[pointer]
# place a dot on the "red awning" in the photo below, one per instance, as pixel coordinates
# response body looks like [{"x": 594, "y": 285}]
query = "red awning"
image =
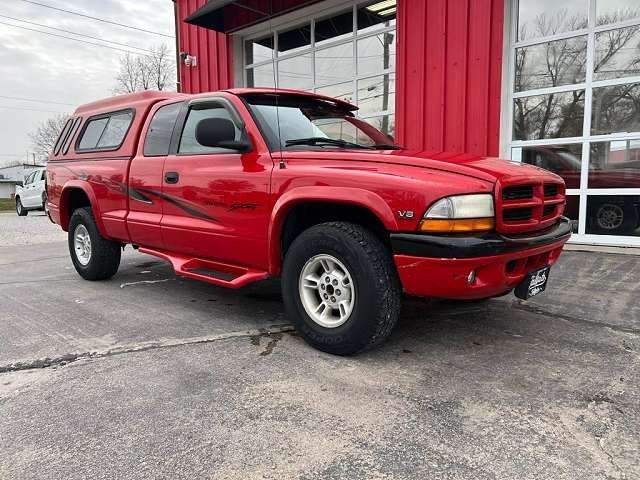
[{"x": 228, "y": 16}]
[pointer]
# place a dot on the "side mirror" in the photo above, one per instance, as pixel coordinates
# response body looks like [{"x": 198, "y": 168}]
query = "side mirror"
[
  {"x": 20, "y": 183},
  {"x": 219, "y": 132}
]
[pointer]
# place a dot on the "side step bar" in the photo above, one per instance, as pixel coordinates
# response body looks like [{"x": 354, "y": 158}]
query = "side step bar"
[{"x": 222, "y": 274}]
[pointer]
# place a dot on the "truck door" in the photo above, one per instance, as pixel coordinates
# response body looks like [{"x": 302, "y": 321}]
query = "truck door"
[
  {"x": 216, "y": 200},
  {"x": 145, "y": 176}
]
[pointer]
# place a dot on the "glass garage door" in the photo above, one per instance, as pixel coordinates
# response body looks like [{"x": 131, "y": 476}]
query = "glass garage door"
[
  {"x": 574, "y": 99},
  {"x": 348, "y": 54}
]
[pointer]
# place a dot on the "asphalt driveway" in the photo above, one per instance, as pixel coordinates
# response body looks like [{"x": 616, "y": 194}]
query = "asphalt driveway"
[{"x": 152, "y": 376}]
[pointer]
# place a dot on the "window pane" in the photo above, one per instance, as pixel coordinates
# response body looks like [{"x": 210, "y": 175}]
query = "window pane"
[
  {"x": 261, "y": 76},
  {"x": 338, "y": 128},
  {"x": 62, "y": 135},
  {"x": 160, "y": 130},
  {"x": 563, "y": 160},
  {"x": 258, "y": 50},
  {"x": 294, "y": 40},
  {"x": 613, "y": 215},
  {"x": 612, "y": 11},
  {"x": 554, "y": 115},
  {"x": 92, "y": 133},
  {"x": 385, "y": 123},
  {"x": 542, "y": 18},
  {"x": 188, "y": 142},
  {"x": 377, "y": 94},
  {"x": 617, "y": 53},
  {"x": 295, "y": 73},
  {"x": 376, "y": 15},
  {"x": 116, "y": 129},
  {"x": 615, "y": 164},
  {"x": 342, "y": 91},
  {"x": 572, "y": 210},
  {"x": 72, "y": 133},
  {"x": 616, "y": 109},
  {"x": 334, "y": 64},
  {"x": 334, "y": 28},
  {"x": 551, "y": 64},
  {"x": 377, "y": 53}
]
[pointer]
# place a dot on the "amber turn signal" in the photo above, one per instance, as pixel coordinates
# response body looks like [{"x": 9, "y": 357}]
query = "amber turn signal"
[{"x": 440, "y": 225}]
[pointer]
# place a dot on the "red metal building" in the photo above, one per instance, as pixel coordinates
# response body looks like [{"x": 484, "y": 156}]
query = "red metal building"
[{"x": 536, "y": 81}]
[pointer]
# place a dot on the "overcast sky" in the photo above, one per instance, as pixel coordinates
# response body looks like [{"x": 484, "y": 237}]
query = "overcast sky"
[{"x": 52, "y": 69}]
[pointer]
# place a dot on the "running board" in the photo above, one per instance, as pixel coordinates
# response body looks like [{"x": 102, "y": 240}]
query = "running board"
[{"x": 222, "y": 274}]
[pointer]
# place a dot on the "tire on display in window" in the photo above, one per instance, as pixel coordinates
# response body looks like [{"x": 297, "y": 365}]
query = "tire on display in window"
[
  {"x": 341, "y": 288},
  {"x": 613, "y": 216}
]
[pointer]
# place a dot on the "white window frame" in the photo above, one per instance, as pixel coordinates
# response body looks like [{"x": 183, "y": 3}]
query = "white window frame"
[
  {"x": 310, "y": 15},
  {"x": 507, "y": 143}
]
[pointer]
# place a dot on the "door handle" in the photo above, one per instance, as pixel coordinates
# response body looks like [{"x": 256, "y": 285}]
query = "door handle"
[{"x": 171, "y": 177}]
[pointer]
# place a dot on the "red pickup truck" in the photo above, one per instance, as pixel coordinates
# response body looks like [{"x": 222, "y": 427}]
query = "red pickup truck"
[{"x": 236, "y": 186}]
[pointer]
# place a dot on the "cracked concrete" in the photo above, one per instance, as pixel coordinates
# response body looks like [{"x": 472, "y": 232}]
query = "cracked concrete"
[{"x": 184, "y": 380}]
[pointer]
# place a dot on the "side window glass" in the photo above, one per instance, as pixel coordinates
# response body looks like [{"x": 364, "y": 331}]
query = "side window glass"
[
  {"x": 43, "y": 176},
  {"x": 62, "y": 136},
  {"x": 92, "y": 133},
  {"x": 72, "y": 133},
  {"x": 158, "y": 138},
  {"x": 29, "y": 178},
  {"x": 115, "y": 130},
  {"x": 188, "y": 142}
]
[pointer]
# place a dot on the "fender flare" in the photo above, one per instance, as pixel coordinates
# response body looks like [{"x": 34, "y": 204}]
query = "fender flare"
[
  {"x": 93, "y": 201},
  {"x": 345, "y": 195}
]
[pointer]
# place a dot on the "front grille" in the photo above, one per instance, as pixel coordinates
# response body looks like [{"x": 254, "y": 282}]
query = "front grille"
[
  {"x": 548, "y": 210},
  {"x": 551, "y": 189},
  {"x": 519, "y": 192},
  {"x": 517, "y": 214}
]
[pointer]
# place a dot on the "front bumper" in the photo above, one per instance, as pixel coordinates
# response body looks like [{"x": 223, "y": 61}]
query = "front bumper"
[{"x": 439, "y": 266}]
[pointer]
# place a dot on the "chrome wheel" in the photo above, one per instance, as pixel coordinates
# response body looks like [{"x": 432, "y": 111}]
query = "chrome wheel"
[
  {"x": 327, "y": 291},
  {"x": 610, "y": 217},
  {"x": 82, "y": 244}
]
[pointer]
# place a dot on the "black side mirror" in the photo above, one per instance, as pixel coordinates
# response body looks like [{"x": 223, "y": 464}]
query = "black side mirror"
[
  {"x": 219, "y": 132},
  {"x": 20, "y": 183}
]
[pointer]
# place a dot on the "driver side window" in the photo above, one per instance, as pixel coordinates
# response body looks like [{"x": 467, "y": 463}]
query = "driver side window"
[{"x": 188, "y": 142}]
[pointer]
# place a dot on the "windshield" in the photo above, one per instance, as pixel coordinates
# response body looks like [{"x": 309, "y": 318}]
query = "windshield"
[{"x": 306, "y": 121}]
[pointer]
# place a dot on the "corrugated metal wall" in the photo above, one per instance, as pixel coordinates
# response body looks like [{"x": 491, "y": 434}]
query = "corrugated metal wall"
[
  {"x": 212, "y": 49},
  {"x": 449, "y": 70}
]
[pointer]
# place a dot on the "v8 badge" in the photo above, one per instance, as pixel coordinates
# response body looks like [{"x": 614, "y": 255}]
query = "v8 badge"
[{"x": 405, "y": 214}]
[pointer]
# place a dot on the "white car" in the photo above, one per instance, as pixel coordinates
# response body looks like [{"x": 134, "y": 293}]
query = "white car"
[{"x": 32, "y": 195}]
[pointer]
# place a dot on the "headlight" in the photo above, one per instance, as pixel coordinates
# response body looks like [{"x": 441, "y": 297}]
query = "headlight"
[{"x": 461, "y": 213}]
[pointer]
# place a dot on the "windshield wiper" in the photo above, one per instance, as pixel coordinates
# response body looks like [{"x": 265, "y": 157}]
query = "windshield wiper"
[
  {"x": 327, "y": 141},
  {"x": 387, "y": 146}
]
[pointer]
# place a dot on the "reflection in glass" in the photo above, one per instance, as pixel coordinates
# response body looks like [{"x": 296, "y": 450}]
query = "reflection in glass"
[
  {"x": 376, "y": 15},
  {"x": 616, "y": 109},
  {"x": 615, "y": 164},
  {"x": 551, "y": 64},
  {"x": 258, "y": 50},
  {"x": 384, "y": 123},
  {"x": 334, "y": 28},
  {"x": 612, "y": 11},
  {"x": 377, "y": 53},
  {"x": 377, "y": 94},
  {"x": 261, "y": 76},
  {"x": 617, "y": 53},
  {"x": 342, "y": 91},
  {"x": 340, "y": 129},
  {"x": 294, "y": 40},
  {"x": 542, "y": 18},
  {"x": 613, "y": 215},
  {"x": 563, "y": 160},
  {"x": 554, "y": 115},
  {"x": 334, "y": 64},
  {"x": 572, "y": 210},
  {"x": 295, "y": 73}
]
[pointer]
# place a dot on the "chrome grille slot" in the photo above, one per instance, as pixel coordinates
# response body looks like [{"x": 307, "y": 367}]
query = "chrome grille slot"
[
  {"x": 517, "y": 214},
  {"x": 518, "y": 192}
]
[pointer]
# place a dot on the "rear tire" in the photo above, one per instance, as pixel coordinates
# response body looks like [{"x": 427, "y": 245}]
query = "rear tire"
[
  {"x": 358, "y": 267},
  {"x": 20, "y": 210},
  {"x": 94, "y": 257}
]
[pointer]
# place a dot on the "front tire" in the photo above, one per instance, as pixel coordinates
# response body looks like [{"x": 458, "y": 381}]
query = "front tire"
[
  {"x": 94, "y": 257},
  {"x": 341, "y": 288},
  {"x": 20, "y": 210}
]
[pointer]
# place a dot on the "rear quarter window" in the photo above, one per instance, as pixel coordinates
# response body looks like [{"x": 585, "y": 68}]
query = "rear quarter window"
[{"x": 105, "y": 132}]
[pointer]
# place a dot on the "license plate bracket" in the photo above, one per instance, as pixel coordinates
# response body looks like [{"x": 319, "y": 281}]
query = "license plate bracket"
[{"x": 533, "y": 284}]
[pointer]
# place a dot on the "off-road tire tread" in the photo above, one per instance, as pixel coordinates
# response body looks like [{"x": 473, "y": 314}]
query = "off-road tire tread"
[{"x": 105, "y": 254}]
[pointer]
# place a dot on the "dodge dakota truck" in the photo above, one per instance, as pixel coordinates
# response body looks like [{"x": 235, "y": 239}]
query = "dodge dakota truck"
[{"x": 236, "y": 186}]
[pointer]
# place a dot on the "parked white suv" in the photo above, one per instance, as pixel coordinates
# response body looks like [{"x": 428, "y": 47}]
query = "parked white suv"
[{"x": 32, "y": 195}]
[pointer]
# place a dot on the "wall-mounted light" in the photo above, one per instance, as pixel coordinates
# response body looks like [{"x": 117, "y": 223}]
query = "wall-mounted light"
[{"x": 189, "y": 60}]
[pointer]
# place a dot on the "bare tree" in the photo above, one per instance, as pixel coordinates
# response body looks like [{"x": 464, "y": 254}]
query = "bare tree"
[
  {"x": 46, "y": 133},
  {"x": 145, "y": 72}
]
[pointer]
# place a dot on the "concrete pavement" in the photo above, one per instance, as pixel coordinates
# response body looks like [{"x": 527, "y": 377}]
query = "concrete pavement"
[{"x": 548, "y": 388}]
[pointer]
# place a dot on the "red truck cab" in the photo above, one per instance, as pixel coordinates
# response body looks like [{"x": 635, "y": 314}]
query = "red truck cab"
[{"x": 236, "y": 186}]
